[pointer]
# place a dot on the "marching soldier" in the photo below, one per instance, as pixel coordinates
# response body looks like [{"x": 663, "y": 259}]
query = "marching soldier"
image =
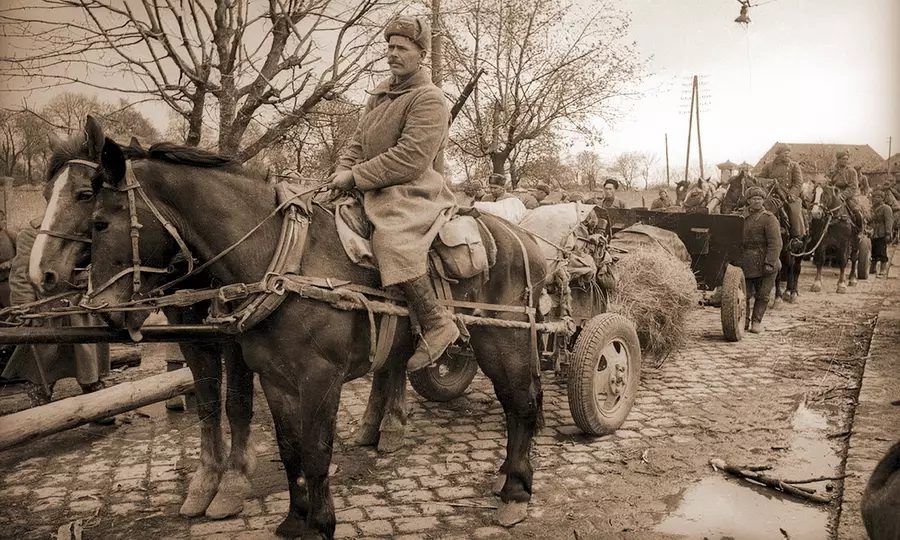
[{"x": 761, "y": 257}]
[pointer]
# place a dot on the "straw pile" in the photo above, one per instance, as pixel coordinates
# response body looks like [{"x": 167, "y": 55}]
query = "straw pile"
[{"x": 657, "y": 292}]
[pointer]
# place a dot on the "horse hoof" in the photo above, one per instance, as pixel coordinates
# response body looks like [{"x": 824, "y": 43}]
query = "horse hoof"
[
  {"x": 508, "y": 514},
  {"x": 229, "y": 499},
  {"x": 390, "y": 441},
  {"x": 786, "y": 296},
  {"x": 816, "y": 287},
  {"x": 842, "y": 289},
  {"x": 201, "y": 492},
  {"x": 498, "y": 484},
  {"x": 368, "y": 435},
  {"x": 293, "y": 526},
  {"x": 852, "y": 282}
]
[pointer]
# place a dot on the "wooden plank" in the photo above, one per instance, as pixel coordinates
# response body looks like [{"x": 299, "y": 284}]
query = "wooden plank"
[{"x": 31, "y": 424}]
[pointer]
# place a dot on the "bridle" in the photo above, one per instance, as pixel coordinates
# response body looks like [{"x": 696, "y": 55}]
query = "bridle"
[
  {"x": 131, "y": 186},
  {"x": 67, "y": 236}
]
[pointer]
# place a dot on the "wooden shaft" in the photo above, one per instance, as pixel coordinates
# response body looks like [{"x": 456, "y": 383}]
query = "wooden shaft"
[
  {"x": 31, "y": 424},
  {"x": 105, "y": 334}
]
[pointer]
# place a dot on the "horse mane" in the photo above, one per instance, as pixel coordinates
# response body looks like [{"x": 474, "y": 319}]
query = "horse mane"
[{"x": 186, "y": 155}]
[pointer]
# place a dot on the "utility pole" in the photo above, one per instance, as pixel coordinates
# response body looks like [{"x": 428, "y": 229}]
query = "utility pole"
[
  {"x": 890, "y": 139},
  {"x": 667, "y": 159},
  {"x": 699, "y": 143},
  {"x": 687, "y": 158}
]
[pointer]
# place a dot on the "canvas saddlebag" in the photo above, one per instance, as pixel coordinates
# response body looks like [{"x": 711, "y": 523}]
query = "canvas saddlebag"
[{"x": 461, "y": 248}]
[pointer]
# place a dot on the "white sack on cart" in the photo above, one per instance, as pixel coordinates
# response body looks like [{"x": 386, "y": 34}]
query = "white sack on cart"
[{"x": 511, "y": 209}]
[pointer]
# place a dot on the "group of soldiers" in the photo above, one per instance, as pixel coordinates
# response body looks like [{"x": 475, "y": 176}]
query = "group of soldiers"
[
  {"x": 542, "y": 195},
  {"x": 762, "y": 235}
]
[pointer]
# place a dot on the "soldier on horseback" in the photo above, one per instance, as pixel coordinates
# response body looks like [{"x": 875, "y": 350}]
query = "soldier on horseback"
[
  {"x": 789, "y": 186},
  {"x": 761, "y": 258},
  {"x": 391, "y": 159},
  {"x": 844, "y": 178}
]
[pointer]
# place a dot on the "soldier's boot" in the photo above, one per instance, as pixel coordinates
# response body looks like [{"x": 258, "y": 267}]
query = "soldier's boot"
[
  {"x": 439, "y": 331},
  {"x": 38, "y": 394},
  {"x": 759, "y": 310}
]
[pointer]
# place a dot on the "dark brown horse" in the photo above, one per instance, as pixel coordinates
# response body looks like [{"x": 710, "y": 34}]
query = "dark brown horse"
[
  {"x": 306, "y": 349},
  {"x": 881, "y": 499},
  {"x": 832, "y": 230},
  {"x": 221, "y": 483}
]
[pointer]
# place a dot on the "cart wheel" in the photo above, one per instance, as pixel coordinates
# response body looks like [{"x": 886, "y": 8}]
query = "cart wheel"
[
  {"x": 864, "y": 258},
  {"x": 604, "y": 375},
  {"x": 734, "y": 296},
  {"x": 447, "y": 378}
]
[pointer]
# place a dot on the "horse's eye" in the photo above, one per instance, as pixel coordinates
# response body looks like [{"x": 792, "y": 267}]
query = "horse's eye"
[
  {"x": 84, "y": 196},
  {"x": 100, "y": 226}
]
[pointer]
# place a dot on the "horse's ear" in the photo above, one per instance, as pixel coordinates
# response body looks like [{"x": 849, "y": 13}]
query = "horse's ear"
[
  {"x": 112, "y": 161},
  {"x": 135, "y": 143},
  {"x": 93, "y": 138},
  {"x": 55, "y": 142}
]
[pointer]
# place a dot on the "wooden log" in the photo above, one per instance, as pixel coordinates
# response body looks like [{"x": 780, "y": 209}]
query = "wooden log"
[
  {"x": 31, "y": 424},
  {"x": 105, "y": 334}
]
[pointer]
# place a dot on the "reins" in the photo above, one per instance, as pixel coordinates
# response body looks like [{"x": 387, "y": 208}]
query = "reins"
[{"x": 132, "y": 185}]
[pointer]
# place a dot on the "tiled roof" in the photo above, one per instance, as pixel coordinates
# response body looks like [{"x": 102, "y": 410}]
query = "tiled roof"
[{"x": 817, "y": 158}]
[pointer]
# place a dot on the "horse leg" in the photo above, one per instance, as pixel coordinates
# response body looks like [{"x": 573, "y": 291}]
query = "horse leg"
[
  {"x": 842, "y": 260},
  {"x": 505, "y": 357},
  {"x": 235, "y": 485},
  {"x": 794, "y": 277},
  {"x": 307, "y": 412},
  {"x": 854, "y": 259},
  {"x": 384, "y": 422},
  {"x": 206, "y": 367},
  {"x": 819, "y": 259}
]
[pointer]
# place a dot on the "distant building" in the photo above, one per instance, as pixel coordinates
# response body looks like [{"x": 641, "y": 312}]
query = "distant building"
[{"x": 817, "y": 159}]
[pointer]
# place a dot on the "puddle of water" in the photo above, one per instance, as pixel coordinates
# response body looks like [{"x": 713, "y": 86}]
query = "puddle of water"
[{"x": 719, "y": 507}]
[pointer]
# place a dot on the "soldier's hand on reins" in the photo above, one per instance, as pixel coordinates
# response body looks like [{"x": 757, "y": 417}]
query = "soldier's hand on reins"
[{"x": 341, "y": 180}]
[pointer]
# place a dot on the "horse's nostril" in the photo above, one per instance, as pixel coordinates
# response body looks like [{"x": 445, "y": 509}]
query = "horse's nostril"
[{"x": 49, "y": 279}]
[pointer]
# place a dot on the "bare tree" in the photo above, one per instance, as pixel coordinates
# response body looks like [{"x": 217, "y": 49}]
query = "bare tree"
[
  {"x": 530, "y": 160},
  {"x": 647, "y": 162},
  {"x": 627, "y": 166},
  {"x": 589, "y": 167},
  {"x": 549, "y": 67},
  {"x": 269, "y": 62}
]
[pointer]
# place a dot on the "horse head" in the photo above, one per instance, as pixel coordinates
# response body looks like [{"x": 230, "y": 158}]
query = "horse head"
[
  {"x": 63, "y": 240},
  {"x": 825, "y": 199},
  {"x": 122, "y": 270}
]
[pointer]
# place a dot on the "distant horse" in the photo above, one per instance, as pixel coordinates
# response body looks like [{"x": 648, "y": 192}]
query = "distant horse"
[
  {"x": 306, "y": 349},
  {"x": 832, "y": 228},
  {"x": 734, "y": 200},
  {"x": 693, "y": 196},
  {"x": 221, "y": 483}
]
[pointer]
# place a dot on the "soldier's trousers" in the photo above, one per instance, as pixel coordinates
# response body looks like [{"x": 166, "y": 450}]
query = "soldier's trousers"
[
  {"x": 760, "y": 287},
  {"x": 794, "y": 211}
]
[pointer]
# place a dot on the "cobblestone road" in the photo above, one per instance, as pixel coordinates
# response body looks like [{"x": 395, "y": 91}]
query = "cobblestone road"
[{"x": 744, "y": 402}]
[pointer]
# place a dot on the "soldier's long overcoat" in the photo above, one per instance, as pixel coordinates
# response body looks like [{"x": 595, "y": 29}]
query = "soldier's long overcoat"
[
  {"x": 762, "y": 243},
  {"x": 46, "y": 364},
  {"x": 392, "y": 155},
  {"x": 787, "y": 174},
  {"x": 845, "y": 179}
]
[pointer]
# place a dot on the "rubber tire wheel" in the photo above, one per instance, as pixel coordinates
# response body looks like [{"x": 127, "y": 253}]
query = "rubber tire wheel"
[
  {"x": 864, "y": 258},
  {"x": 602, "y": 332},
  {"x": 734, "y": 296},
  {"x": 448, "y": 378}
]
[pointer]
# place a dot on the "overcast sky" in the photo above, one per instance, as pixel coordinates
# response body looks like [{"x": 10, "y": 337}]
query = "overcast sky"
[{"x": 801, "y": 71}]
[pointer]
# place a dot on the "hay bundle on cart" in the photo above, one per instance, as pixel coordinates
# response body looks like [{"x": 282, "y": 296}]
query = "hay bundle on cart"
[{"x": 655, "y": 286}]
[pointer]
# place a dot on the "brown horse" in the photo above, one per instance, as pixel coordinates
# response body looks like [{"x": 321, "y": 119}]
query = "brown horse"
[
  {"x": 221, "y": 483},
  {"x": 832, "y": 229},
  {"x": 693, "y": 196},
  {"x": 881, "y": 499},
  {"x": 306, "y": 349}
]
